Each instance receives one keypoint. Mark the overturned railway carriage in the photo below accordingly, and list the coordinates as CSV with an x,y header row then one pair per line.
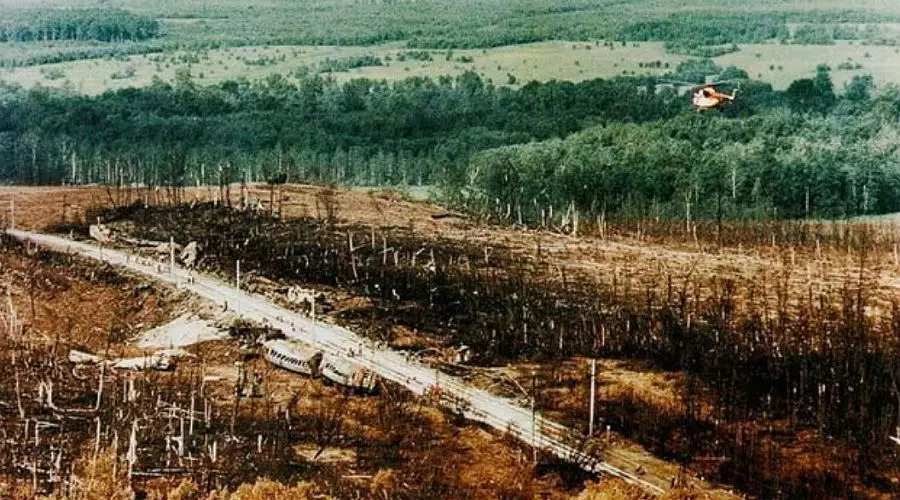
x,y
348,374
302,358
293,356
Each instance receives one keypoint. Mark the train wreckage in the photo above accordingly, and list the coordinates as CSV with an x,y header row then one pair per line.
x,y
301,358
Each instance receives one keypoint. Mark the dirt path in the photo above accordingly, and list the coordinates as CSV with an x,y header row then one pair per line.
x,y
500,413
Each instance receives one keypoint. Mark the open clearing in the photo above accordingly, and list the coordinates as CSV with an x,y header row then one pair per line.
x,y
792,62
543,61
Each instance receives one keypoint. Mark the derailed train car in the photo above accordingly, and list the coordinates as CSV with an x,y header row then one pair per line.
x,y
347,373
293,356
303,358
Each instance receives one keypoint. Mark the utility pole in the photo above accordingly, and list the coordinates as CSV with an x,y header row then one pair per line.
x,y
238,274
533,427
593,395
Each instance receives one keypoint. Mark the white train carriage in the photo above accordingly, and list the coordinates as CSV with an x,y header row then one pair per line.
x,y
293,356
348,373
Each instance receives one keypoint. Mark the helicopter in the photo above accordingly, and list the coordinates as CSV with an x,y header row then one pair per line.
x,y
705,96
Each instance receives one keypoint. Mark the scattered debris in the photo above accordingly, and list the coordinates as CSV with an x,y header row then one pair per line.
x,y
155,361
251,335
188,256
315,301
254,204
80,357
249,384
176,353
262,280
327,455
463,354
447,215
100,233
167,247
141,242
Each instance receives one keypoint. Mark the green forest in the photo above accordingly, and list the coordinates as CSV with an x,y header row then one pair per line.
x,y
133,27
801,153
638,149
104,25
628,146
416,131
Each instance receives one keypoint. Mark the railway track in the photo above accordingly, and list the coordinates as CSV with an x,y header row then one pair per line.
x,y
476,404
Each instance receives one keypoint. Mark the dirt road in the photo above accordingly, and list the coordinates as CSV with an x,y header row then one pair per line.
x,y
500,413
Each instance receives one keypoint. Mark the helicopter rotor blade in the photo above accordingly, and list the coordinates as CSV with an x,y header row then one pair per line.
x,y
723,82
681,83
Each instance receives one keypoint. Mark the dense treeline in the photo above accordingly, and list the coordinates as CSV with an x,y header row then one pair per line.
x,y
698,50
828,34
801,152
105,25
427,25
366,132
712,34
476,24
64,54
820,156
433,25
330,65
708,30
696,71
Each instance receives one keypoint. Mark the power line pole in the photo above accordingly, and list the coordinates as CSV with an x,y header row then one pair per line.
x,y
237,273
533,427
593,395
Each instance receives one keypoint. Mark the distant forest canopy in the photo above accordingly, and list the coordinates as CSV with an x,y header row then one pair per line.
x,y
707,31
104,25
798,153
415,131
642,152
78,52
695,29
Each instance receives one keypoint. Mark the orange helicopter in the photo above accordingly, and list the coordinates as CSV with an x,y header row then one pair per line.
x,y
705,97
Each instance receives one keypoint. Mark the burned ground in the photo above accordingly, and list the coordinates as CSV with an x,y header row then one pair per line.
x,y
790,341
58,420
828,369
